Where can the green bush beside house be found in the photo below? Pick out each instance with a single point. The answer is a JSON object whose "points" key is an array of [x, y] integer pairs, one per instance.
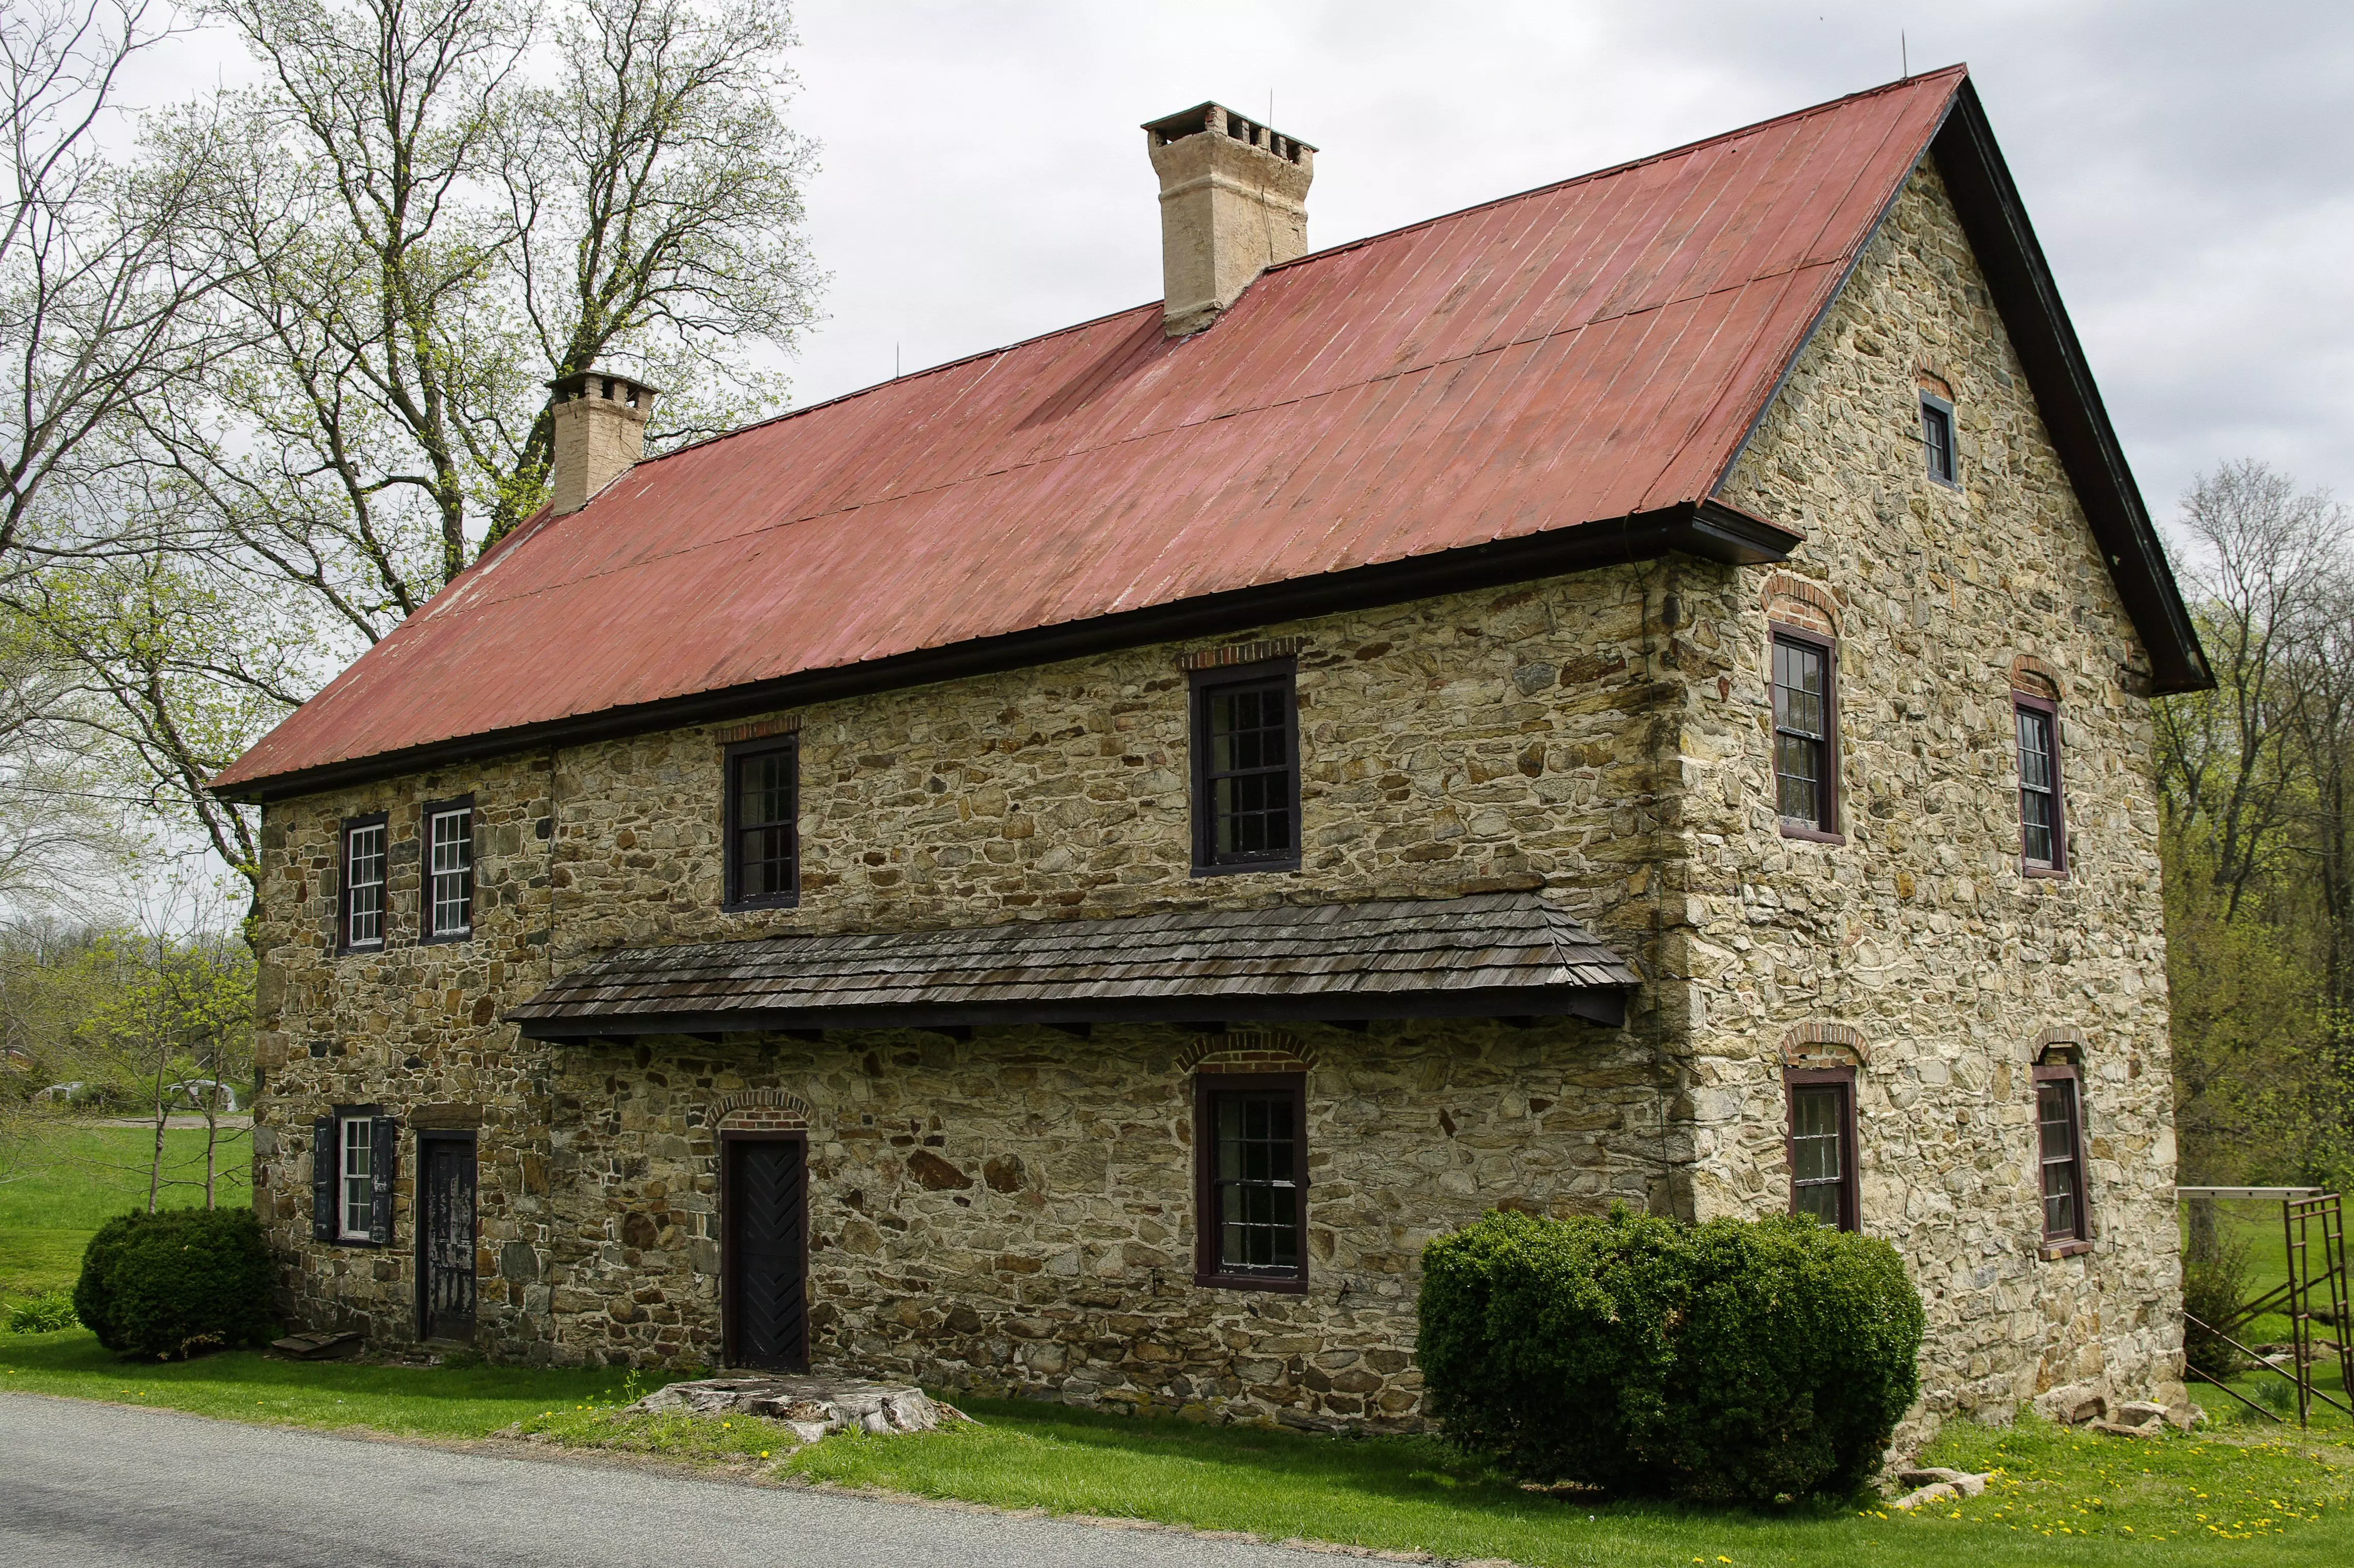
{"points": [[1732, 1361], [168, 1285]]}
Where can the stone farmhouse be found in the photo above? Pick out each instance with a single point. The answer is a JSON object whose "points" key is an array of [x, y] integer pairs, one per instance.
{"points": [[1059, 872]]}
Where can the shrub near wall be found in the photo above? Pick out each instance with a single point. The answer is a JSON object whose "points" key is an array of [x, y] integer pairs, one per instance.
{"points": [[1734, 1362], [169, 1285]]}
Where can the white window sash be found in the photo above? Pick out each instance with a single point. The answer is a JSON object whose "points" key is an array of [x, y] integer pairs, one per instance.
{"points": [[356, 1171], [452, 863]]}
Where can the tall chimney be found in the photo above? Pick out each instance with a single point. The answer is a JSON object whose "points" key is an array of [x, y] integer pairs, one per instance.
{"points": [[1233, 203], [600, 434]]}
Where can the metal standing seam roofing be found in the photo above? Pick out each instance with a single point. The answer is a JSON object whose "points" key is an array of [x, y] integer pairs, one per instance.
{"points": [[1584, 352], [1508, 953]]}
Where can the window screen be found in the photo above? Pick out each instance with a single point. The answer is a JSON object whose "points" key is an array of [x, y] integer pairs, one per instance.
{"points": [[764, 850], [2061, 1148], [364, 885], [1802, 732], [450, 869], [2040, 842], [1254, 1181], [1938, 435], [1247, 798], [358, 1170], [1822, 1159]]}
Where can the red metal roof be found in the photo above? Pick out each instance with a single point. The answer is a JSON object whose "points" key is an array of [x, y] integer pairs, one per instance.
{"points": [[1586, 351]]}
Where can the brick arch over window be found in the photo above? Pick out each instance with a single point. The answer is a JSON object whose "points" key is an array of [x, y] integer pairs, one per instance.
{"points": [[2060, 1042], [2036, 678], [1800, 603], [1247, 1051], [1815, 1044], [1931, 379], [758, 1110]]}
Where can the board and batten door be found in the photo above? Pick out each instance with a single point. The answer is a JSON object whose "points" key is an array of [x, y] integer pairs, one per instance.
{"points": [[764, 1249], [445, 1236]]}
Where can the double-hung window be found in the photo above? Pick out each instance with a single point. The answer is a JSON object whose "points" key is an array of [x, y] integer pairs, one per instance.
{"points": [[1822, 1144], [364, 872], [1805, 738], [2042, 829], [448, 870], [1245, 769], [1938, 438], [763, 841], [352, 1153], [356, 1186], [1251, 1142], [2059, 1147]]}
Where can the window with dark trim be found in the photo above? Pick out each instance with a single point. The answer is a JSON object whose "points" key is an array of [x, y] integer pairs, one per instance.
{"points": [[762, 828], [1250, 1137], [2042, 825], [360, 916], [1806, 733], [354, 1150], [1822, 1140], [1938, 438], [449, 869], [2060, 1149], [1245, 769]]}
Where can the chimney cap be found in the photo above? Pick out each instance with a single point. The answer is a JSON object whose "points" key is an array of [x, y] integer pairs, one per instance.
{"points": [[576, 384], [1210, 115]]}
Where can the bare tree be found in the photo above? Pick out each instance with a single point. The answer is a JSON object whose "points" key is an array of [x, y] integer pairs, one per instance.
{"points": [[103, 298], [2260, 550]]}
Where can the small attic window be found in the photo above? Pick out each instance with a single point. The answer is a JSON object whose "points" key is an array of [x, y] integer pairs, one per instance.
{"points": [[1938, 438]]}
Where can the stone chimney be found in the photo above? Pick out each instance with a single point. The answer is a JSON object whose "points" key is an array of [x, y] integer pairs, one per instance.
{"points": [[600, 434], [1233, 203]]}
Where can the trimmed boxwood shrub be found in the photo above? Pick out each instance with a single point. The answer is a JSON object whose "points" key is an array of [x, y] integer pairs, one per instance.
{"points": [[1749, 1361], [170, 1284]]}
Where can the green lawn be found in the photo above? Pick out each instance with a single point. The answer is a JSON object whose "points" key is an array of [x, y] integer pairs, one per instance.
{"points": [[245, 1385], [78, 1176]]}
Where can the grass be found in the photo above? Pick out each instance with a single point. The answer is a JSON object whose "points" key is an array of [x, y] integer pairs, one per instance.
{"points": [[81, 1175], [2061, 1495], [245, 1385]]}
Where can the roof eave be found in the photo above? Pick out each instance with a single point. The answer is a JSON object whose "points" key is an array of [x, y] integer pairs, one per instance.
{"points": [[1709, 529]]}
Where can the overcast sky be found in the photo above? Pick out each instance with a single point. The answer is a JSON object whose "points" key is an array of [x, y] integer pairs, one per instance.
{"points": [[985, 179]]}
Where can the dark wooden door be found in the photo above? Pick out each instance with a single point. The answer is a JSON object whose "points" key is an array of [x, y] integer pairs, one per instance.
{"points": [[445, 1238], [765, 1253]]}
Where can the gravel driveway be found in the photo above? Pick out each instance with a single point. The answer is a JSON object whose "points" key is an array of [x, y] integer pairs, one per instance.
{"points": [[103, 1485]]}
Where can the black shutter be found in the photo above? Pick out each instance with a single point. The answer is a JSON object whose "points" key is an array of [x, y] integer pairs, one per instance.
{"points": [[322, 1179], [381, 1143]]}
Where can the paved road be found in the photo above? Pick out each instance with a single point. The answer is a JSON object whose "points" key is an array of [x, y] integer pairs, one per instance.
{"points": [[106, 1487]]}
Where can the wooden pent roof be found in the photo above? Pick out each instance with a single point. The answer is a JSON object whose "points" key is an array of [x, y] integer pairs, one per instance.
{"points": [[1488, 956], [1547, 382]]}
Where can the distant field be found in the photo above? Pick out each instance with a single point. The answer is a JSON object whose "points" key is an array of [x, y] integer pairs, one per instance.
{"points": [[78, 1176]]}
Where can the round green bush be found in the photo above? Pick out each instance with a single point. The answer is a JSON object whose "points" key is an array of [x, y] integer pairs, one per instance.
{"points": [[1733, 1362], [169, 1285]]}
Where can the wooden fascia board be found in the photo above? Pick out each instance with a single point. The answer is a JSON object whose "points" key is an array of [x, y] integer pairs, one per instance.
{"points": [[1605, 1005]]}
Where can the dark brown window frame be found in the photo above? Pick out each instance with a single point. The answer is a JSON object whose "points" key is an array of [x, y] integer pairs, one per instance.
{"points": [[731, 764], [1208, 1217], [1932, 406], [1850, 1145], [2050, 709], [1202, 685], [343, 943], [727, 1306], [427, 936], [2063, 1244], [1824, 828]]}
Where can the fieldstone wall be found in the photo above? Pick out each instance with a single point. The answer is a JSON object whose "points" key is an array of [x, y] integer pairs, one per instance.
{"points": [[1015, 1212], [1919, 939], [1463, 744]]}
